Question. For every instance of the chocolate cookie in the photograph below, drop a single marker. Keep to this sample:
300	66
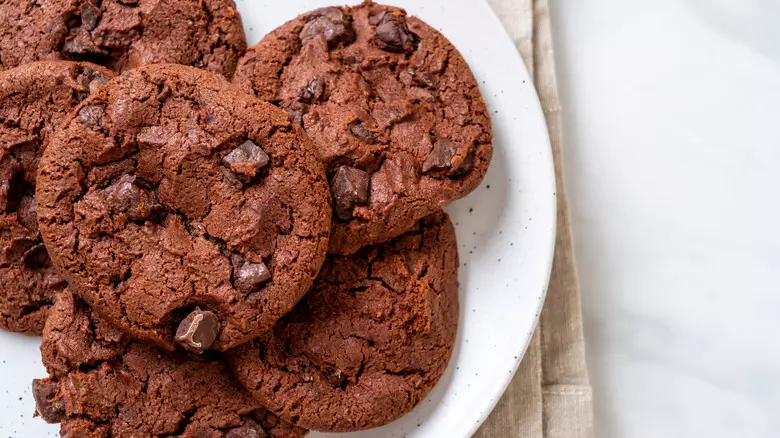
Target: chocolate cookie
122	34
391	106
370	339
184	210
103	385
33	100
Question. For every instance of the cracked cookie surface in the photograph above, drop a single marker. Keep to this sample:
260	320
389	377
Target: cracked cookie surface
369	340
101	384
185	211
122	34
391	106
34	98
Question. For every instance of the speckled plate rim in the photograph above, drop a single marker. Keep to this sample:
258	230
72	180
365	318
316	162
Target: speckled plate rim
506	237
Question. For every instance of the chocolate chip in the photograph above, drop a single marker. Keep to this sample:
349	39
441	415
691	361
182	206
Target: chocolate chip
362	133
335	376
82	45
331	23
313	91
376	18
26	213
247	276
51	409
36	257
349	188
92	79
17	248
249	430
246	159
392	34
90	15
232	179
466	165
198	331
92	115
449	158
440	157
126	197
296	110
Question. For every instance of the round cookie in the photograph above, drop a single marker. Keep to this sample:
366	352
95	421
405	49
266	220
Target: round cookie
184	210
370	339
103	385
123	34
33	100
391	106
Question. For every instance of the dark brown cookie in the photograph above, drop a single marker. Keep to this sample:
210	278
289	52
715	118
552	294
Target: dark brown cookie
184	210
391	106
34	98
370	339
122	34
101	384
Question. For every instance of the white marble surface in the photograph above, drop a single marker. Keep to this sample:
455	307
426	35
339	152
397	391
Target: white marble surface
673	165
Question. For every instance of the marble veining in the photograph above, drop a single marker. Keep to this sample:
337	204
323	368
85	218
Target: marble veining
672	113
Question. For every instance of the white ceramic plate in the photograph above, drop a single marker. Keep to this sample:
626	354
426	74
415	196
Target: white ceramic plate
506	234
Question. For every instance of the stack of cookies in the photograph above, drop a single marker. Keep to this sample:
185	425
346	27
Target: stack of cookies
218	241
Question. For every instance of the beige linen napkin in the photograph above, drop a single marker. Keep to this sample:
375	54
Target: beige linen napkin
550	396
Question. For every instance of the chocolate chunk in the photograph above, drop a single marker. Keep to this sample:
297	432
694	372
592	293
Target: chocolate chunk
466	165
92	115
36	257
331	23
362	133
349	188
82	45
249	276
440	157
376	17
92	79
248	430
125	197
26	213
246	159
392	34
198	331
296	110
90	15
18	248
51	409
447	156
313	91
335	376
